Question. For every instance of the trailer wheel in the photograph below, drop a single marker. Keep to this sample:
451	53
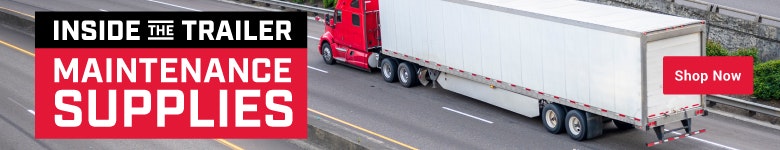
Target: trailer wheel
327	54
576	125
622	125
407	74
552	118
389	70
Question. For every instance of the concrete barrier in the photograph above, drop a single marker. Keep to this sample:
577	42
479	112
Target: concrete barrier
327	140
329	134
732	32
17	21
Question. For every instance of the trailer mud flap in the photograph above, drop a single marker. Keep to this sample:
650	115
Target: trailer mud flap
595	125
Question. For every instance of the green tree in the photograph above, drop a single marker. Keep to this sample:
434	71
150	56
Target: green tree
329	3
753	52
766	82
715	49
299	1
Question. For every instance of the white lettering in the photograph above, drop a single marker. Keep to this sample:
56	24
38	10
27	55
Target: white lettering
163	111
111	120
210	72
164	70
66	73
195	121
283	31
92	71
130	110
234	68
59	104
718	75
279	69
148	63
241	108
286	110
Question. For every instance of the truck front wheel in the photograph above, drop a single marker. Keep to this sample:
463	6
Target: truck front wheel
327	55
553	118
388	67
576	125
407	74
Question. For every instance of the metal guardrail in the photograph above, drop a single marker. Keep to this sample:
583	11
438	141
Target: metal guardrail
301	7
751	107
716	8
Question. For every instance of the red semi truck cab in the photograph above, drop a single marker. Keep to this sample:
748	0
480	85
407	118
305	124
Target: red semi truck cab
352	34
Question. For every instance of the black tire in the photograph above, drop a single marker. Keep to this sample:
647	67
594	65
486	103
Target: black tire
622	125
552	118
388	70
407	74
327	54
576	125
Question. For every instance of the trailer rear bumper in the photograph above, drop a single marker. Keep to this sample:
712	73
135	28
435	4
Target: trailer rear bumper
675	117
666	140
683	116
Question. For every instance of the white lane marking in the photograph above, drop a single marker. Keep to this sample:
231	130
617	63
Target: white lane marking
312	68
705	141
20	105
465	114
103	10
169	4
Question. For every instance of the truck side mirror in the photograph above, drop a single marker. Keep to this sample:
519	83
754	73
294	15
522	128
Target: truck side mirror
328	20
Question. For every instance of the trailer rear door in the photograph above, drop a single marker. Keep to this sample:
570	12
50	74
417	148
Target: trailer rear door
685	45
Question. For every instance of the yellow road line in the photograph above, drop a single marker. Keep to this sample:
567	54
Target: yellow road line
362	129
28	15
17	48
228	144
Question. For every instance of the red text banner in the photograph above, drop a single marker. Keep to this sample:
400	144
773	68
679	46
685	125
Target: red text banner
707	75
170	93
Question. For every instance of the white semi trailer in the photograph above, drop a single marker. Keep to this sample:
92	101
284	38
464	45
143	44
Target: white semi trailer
575	64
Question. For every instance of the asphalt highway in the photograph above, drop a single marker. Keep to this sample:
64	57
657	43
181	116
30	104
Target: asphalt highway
421	117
